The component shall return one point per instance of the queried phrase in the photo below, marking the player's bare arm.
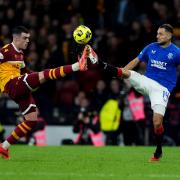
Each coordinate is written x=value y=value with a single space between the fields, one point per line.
x=132 y=64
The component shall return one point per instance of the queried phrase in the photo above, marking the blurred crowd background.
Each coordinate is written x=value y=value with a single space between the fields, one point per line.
x=121 y=28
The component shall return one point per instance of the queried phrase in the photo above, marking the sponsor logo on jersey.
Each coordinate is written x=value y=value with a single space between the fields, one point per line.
x=158 y=64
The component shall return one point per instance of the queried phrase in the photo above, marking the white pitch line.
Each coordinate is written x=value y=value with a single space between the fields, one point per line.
x=55 y=174
x=175 y=176
x=164 y=175
x=159 y=175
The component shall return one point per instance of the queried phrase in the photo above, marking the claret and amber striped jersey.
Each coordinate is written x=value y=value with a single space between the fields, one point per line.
x=11 y=62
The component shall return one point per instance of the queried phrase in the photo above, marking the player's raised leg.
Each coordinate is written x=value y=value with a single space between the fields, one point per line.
x=27 y=105
x=108 y=68
x=34 y=80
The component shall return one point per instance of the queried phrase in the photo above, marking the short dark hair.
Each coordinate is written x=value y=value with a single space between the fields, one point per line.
x=19 y=30
x=167 y=27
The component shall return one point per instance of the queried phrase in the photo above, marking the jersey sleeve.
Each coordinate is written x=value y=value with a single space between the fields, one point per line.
x=143 y=55
x=4 y=53
x=1 y=56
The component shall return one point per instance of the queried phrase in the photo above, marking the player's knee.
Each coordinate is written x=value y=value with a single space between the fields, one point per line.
x=157 y=124
x=33 y=116
x=126 y=73
x=157 y=120
x=41 y=77
x=32 y=81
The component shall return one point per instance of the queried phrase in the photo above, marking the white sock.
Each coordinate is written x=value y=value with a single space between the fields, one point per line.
x=6 y=144
x=75 y=66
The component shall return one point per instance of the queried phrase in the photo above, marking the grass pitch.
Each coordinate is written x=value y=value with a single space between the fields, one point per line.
x=89 y=163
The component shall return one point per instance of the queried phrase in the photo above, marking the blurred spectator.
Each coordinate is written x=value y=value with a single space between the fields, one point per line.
x=125 y=12
x=135 y=38
x=4 y=37
x=56 y=58
x=133 y=117
x=39 y=133
x=100 y=95
x=79 y=98
x=114 y=91
x=110 y=115
x=149 y=32
x=87 y=126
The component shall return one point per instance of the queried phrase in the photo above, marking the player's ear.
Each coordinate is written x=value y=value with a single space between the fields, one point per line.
x=15 y=37
x=169 y=36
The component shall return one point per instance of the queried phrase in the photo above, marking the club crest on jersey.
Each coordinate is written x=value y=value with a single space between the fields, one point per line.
x=170 y=55
x=6 y=50
x=165 y=96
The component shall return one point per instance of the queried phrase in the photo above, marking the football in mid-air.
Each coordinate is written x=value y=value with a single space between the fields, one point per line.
x=82 y=34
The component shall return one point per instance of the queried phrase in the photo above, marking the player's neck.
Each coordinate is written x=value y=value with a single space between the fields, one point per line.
x=166 y=44
x=15 y=46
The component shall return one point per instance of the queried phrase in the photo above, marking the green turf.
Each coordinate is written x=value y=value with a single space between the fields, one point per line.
x=84 y=163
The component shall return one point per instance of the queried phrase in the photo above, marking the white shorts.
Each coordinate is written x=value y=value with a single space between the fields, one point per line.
x=157 y=93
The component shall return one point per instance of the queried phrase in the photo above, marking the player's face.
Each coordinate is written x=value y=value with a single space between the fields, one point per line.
x=23 y=40
x=163 y=37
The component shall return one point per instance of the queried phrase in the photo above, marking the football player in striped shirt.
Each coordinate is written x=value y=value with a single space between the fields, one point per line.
x=18 y=82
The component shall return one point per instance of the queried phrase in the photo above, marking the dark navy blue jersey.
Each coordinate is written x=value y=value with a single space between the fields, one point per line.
x=161 y=63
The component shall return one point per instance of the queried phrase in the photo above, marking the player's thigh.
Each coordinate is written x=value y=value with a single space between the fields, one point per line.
x=139 y=82
x=159 y=98
x=16 y=88
x=159 y=108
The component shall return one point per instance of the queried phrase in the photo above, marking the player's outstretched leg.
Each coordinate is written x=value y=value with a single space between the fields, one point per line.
x=59 y=72
x=111 y=70
x=34 y=80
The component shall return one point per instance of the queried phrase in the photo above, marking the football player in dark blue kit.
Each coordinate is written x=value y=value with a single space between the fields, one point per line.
x=162 y=58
